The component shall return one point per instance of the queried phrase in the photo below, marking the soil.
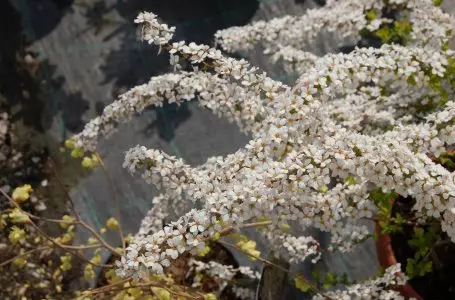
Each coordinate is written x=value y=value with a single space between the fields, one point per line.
x=439 y=284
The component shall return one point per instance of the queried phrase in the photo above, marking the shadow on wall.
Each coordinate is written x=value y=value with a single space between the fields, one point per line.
x=28 y=83
x=40 y=17
x=168 y=118
x=136 y=62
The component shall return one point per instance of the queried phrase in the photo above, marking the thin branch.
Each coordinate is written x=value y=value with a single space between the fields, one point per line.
x=54 y=171
x=50 y=220
x=99 y=238
x=33 y=224
x=255 y=224
x=263 y=260
x=23 y=254
x=149 y=284
x=82 y=247
x=117 y=205
x=79 y=219
x=106 y=287
x=82 y=223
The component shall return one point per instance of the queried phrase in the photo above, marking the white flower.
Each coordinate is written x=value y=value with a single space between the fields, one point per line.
x=351 y=124
x=174 y=61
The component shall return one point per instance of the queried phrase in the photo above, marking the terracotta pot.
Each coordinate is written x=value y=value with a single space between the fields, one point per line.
x=386 y=257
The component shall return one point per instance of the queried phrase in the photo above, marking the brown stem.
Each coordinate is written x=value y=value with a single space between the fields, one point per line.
x=49 y=220
x=79 y=219
x=78 y=255
x=255 y=224
x=99 y=238
x=82 y=223
x=112 y=288
x=82 y=247
x=63 y=247
x=105 y=288
x=23 y=254
x=152 y=284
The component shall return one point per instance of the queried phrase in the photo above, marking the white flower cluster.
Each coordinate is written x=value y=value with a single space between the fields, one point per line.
x=226 y=99
x=344 y=19
x=154 y=220
x=243 y=293
x=153 y=31
x=430 y=26
x=299 y=248
x=223 y=274
x=371 y=289
x=294 y=60
x=290 y=36
x=352 y=124
x=390 y=66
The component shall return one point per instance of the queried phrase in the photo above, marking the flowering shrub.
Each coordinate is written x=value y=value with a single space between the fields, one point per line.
x=351 y=127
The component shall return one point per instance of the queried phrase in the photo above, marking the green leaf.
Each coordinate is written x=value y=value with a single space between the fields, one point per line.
x=161 y=293
x=350 y=180
x=402 y=31
x=316 y=276
x=77 y=152
x=301 y=284
x=437 y=2
x=371 y=15
x=209 y=297
x=324 y=189
x=427 y=267
x=384 y=34
x=357 y=151
x=410 y=268
x=382 y=199
x=344 y=279
x=411 y=80
x=422 y=241
x=330 y=280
